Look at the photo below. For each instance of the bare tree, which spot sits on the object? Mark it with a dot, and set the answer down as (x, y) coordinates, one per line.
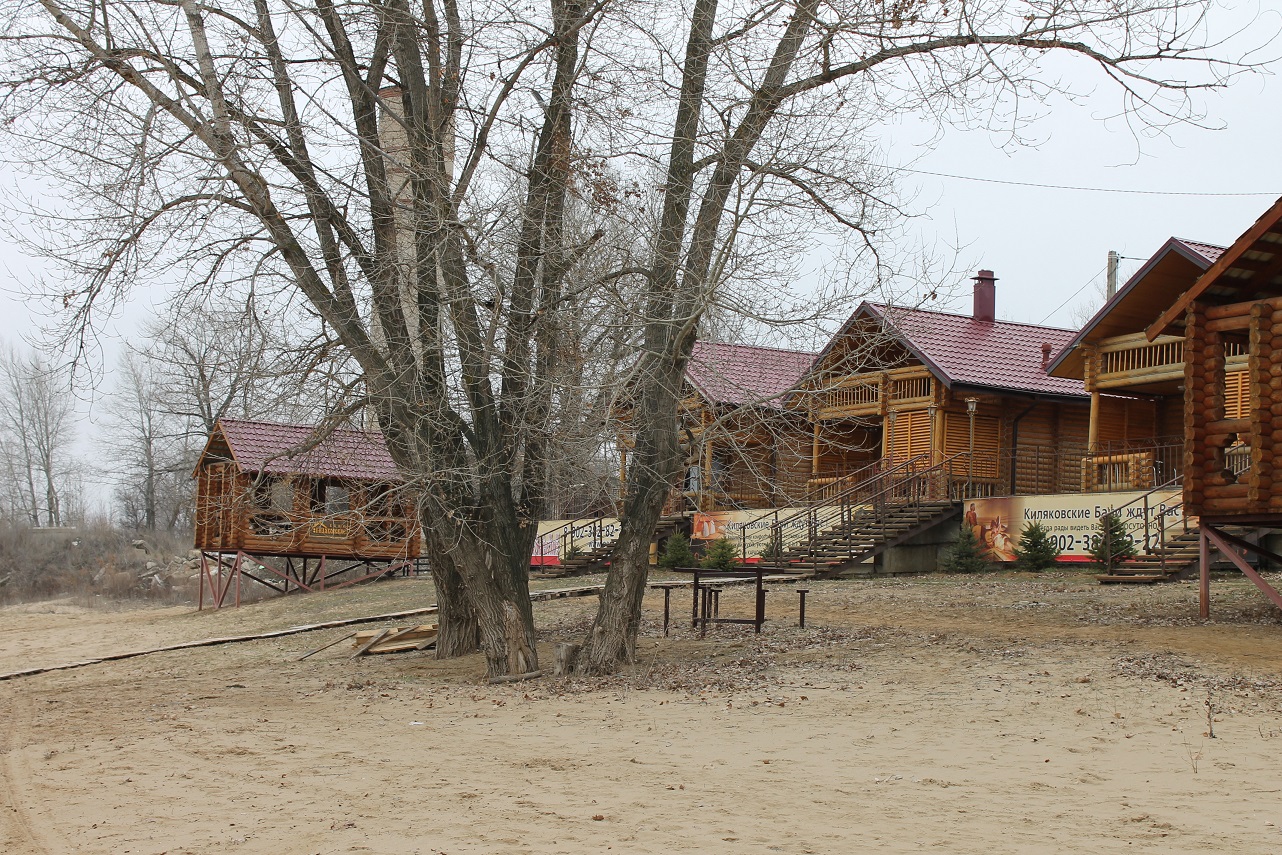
(772, 98)
(250, 132)
(37, 415)
(146, 450)
(405, 171)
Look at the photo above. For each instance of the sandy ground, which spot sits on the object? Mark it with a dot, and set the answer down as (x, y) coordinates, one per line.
(989, 714)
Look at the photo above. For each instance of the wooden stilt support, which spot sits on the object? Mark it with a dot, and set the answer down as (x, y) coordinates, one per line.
(1226, 543)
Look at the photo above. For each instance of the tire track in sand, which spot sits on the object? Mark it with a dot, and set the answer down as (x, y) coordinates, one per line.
(15, 778)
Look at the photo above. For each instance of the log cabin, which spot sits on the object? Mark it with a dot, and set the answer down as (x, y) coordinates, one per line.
(1232, 479)
(743, 448)
(268, 489)
(966, 391)
(1230, 323)
(1137, 385)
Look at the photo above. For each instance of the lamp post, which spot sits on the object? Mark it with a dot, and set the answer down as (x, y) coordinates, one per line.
(972, 404)
(890, 442)
(930, 414)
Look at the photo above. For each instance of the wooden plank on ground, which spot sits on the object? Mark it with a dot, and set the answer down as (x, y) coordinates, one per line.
(397, 640)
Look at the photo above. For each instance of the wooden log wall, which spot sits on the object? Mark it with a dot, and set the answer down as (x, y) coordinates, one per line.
(1210, 485)
(1203, 404)
(1264, 390)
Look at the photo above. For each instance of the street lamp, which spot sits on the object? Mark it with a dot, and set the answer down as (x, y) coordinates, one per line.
(972, 404)
(931, 410)
(890, 443)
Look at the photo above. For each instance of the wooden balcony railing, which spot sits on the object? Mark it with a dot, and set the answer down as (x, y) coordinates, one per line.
(862, 394)
(1132, 360)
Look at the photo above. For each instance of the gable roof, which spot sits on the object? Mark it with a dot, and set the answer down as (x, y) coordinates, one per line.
(743, 374)
(1249, 269)
(962, 351)
(1145, 295)
(278, 449)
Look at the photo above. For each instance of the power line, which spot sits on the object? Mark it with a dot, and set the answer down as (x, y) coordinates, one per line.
(1072, 187)
(1074, 294)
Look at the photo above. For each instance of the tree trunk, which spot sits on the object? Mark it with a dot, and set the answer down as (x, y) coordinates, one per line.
(458, 633)
(503, 612)
(656, 463)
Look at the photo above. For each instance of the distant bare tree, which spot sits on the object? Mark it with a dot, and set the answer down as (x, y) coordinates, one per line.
(37, 418)
(146, 451)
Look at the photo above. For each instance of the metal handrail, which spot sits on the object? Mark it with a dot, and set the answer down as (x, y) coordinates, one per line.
(1162, 529)
(821, 517)
(565, 533)
(840, 498)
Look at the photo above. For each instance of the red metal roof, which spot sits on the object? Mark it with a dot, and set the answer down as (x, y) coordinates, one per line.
(278, 449)
(1209, 251)
(993, 354)
(745, 374)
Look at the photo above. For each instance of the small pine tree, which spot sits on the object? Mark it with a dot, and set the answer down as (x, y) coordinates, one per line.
(773, 549)
(676, 552)
(721, 555)
(1037, 550)
(1112, 545)
(965, 556)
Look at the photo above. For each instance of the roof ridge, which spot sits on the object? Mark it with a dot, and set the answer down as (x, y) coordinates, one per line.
(757, 347)
(306, 427)
(971, 318)
(1199, 242)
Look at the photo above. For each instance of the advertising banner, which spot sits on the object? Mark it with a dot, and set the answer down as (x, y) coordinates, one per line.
(750, 531)
(1072, 519)
(556, 539)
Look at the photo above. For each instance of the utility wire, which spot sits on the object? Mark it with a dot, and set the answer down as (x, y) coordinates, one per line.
(1072, 187)
(1085, 285)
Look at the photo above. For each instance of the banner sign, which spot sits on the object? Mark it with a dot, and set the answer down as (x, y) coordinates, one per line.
(1072, 519)
(554, 540)
(750, 531)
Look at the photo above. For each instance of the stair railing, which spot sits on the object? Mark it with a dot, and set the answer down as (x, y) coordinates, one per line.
(843, 507)
(1162, 528)
(564, 535)
(840, 508)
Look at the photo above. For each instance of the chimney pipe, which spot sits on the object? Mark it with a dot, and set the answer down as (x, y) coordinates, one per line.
(985, 296)
(1046, 353)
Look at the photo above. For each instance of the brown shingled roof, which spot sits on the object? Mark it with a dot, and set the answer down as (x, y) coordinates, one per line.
(278, 449)
(743, 374)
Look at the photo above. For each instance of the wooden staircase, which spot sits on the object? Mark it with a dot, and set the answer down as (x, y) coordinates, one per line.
(863, 534)
(1162, 564)
(597, 559)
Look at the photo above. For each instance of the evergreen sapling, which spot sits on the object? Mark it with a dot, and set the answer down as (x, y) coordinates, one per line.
(1037, 549)
(1112, 545)
(721, 555)
(676, 552)
(965, 556)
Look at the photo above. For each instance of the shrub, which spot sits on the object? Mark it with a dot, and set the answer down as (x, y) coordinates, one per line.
(721, 555)
(965, 556)
(1111, 544)
(676, 552)
(1037, 550)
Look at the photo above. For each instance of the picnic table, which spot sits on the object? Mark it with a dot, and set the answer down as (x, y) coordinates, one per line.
(705, 608)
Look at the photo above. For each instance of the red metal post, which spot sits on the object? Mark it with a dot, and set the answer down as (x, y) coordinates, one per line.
(1204, 575)
(1240, 561)
(200, 589)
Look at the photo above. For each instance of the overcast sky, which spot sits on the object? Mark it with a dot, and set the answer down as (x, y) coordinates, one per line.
(1048, 246)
